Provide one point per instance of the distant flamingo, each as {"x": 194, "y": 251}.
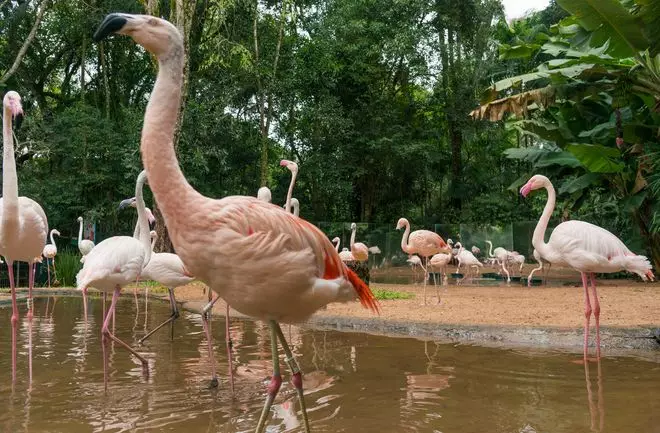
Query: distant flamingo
{"x": 23, "y": 223}
{"x": 541, "y": 262}
{"x": 502, "y": 256}
{"x": 84, "y": 245}
{"x": 49, "y": 252}
{"x": 424, "y": 243}
{"x": 264, "y": 261}
{"x": 114, "y": 263}
{"x": 346, "y": 256}
{"x": 475, "y": 250}
{"x": 414, "y": 262}
{"x": 440, "y": 261}
{"x": 264, "y": 194}
{"x": 465, "y": 257}
{"x": 517, "y": 259}
{"x": 358, "y": 249}
{"x": 336, "y": 241}
{"x": 586, "y": 248}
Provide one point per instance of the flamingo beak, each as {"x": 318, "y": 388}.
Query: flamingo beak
{"x": 284, "y": 162}
{"x": 112, "y": 23}
{"x": 125, "y": 203}
{"x": 525, "y": 190}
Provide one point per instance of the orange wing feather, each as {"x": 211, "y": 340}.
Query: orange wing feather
{"x": 367, "y": 298}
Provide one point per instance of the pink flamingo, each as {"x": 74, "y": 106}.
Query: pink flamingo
{"x": 424, "y": 243}
{"x": 23, "y": 223}
{"x": 586, "y": 248}
{"x": 262, "y": 260}
{"x": 114, "y": 263}
{"x": 358, "y": 249}
{"x": 49, "y": 252}
{"x": 336, "y": 241}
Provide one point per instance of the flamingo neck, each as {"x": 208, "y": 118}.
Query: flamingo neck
{"x": 9, "y": 180}
{"x": 142, "y": 218}
{"x": 52, "y": 241}
{"x": 171, "y": 190}
{"x": 80, "y": 232}
{"x": 337, "y": 245}
{"x": 490, "y": 249}
{"x": 538, "y": 238}
{"x": 289, "y": 193}
{"x": 353, "y": 231}
{"x": 404, "y": 239}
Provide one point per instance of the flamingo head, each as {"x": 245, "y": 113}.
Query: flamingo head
{"x": 401, "y": 223}
{"x": 264, "y": 194}
{"x": 55, "y": 232}
{"x": 353, "y": 226}
{"x": 150, "y": 215}
{"x": 132, "y": 202}
{"x": 153, "y": 234}
{"x": 449, "y": 241}
{"x": 80, "y": 219}
{"x": 335, "y": 240}
{"x": 12, "y": 101}
{"x": 292, "y": 166}
{"x": 156, "y": 35}
{"x": 535, "y": 182}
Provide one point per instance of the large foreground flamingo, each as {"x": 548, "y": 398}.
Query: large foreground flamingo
{"x": 424, "y": 243}
{"x": 114, "y": 263}
{"x": 262, "y": 260}
{"x": 586, "y": 248}
{"x": 23, "y": 223}
{"x": 49, "y": 252}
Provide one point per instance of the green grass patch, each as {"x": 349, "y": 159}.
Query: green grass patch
{"x": 387, "y": 295}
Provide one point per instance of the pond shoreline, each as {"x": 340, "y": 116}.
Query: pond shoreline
{"x": 614, "y": 339}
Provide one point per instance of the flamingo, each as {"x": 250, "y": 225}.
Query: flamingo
{"x": 346, "y": 255}
{"x": 542, "y": 262}
{"x": 502, "y": 256}
{"x": 23, "y": 223}
{"x": 517, "y": 259}
{"x": 49, "y": 252}
{"x": 264, "y": 194}
{"x": 264, "y": 261}
{"x": 84, "y": 245}
{"x": 586, "y": 248}
{"x": 414, "y": 262}
{"x": 440, "y": 260}
{"x": 465, "y": 257}
{"x": 358, "y": 249}
{"x": 114, "y": 263}
{"x": 424, "y": 243}
{"x": 336, "y": 241}
{"x": 476, "y": 250}
{"x": 166, "y": 269}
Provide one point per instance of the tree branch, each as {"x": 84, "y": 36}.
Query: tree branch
{"x": 26, "y": 44}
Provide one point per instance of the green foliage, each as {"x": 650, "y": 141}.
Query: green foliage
{"x": 68, "y": 264}
{"x": 389, "y": 295}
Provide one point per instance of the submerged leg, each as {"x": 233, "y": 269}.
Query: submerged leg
{"x": 84, "y": 296}
{"x": 275, "y": 380}
{"x": 209, "y": 339}
{"x": 596, "y": 313}
{"x": 296, "y": 374}
{"x": 106, "y": 332}
{"x": 14, "y": 319}
{"x": 229, "y": 345}
{"x": 170, "y": 320}
{"x": 587, "y": 314}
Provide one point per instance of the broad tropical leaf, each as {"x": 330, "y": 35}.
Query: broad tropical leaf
{"x": 597, "y": 158}
{"x": 579, "y": 183}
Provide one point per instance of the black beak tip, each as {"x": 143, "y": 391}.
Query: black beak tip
{"x": 110, "y": 24}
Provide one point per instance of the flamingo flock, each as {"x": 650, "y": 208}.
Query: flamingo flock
{"x": 263, "y": 260}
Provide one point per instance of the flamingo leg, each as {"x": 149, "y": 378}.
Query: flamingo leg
{"x": 587, "y": 314}
{"x": 48, "y": 270}
{"x": 296, "y": 373}
{"x": 54, "y": 270}
{"x": 31, "y": 272}
{"x": 425, "y": 276}
{"x": 30, "y": 313}
{"x": 84, "y": 295}
{"x": 275, "y": 380}
{"x": 105, "y": 331}
{"x": 229, "y": 345}
{"x": 14, "y": 319}
{"x": 596, "y": 313}
{"x": 209, "y": 339}
{"x": 170, "y": 320}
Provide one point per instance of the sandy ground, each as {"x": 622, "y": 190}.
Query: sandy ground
{"x": 623, "y": 303}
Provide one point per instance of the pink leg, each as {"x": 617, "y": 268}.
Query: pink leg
{"x": 30, "y": 285}
{"x": 587, "y": 314}
{"x": 48, "y": 269}
{"x": 596, "y": 313}
{"x": 105, "y": 332}
{"x": 229, "y": 347}
{"x": 14, "y": 318}
{"x": 84, "y": 293}
{"x": 209, "y": 339}
{"x": 54, "y": 270}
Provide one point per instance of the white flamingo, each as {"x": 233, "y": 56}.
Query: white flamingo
{"x": 49, "y": 252}
{"x": 544, "y": 265}
{"x": 516, "y": 259}
{"x": 114, "y": 263}
{"x": 414, "y": 262}
{"x": 336, "y": 241}
{"x": 586, "y": 248}
{"x": 84, "y": 245}
{"x": 502, "y": 255}
{"x": 465, "y": 257}
{"x": 23, "y": 223}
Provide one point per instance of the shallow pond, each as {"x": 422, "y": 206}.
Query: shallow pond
{"x": 354, "y": 382}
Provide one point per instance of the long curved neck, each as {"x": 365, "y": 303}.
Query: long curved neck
{"x": 136, "y": 231}
{"x": 142, "y": 219}
{"x": 153, "y": 243}
{"x": 404, "y": 239}
{"x": 353, "y": 230}
{"x": 490, "y": 249}
{"x": 80, "y": 232}
{"x": 337, "y": 245}
{"x": 171, "y": 190}
{"x": 9, "y": 181}
{"x": 289, "y": 193}
{"x": 52, "y": 241}
{"x": 538, "y": 238}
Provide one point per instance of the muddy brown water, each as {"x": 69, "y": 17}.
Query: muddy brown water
{"x": 354, "y": 382}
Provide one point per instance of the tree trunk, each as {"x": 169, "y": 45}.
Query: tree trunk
{"x": 21, "y": 53}
{"x": 104, "y": 74}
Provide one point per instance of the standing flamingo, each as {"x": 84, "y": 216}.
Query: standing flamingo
{"x": 502, "y": 256}
{"x": 465, "y": 257}
{"x": 49, "y": 252}
{"x": 262, "y": 260}
{"x": 336, "y": 241}
{"x": 84, "y": 245}
{"x": 114, "y": 263}
{"x": 23, "y": 223}
{"x": 586, "y": 248}
{"x": 516, "y": 259}
{"x": 414, "y": 262}
{"x": 424, "y": 243}
{"x": 440, "y": 260}
{"x": 358, "y": 249}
